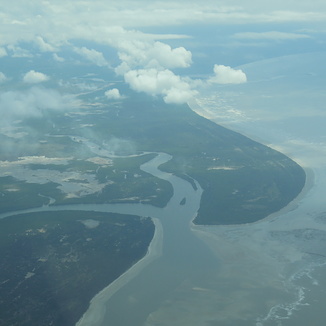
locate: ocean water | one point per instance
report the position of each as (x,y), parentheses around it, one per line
(276,266)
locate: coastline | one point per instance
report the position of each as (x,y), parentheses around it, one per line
(271,253)
(212,234)
(292,205)
(96,310)
(253,259)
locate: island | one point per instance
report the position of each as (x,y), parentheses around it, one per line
(53,263)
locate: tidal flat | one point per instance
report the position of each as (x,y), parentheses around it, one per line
(54,263)
(272,271)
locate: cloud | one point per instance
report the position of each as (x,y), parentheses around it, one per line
(113,94)
(34,77)
(18,52)
(227,75)
(146,68)
(273,35)
(120,146)
(92,55)
(160,82)
(3,52)
(144,54)
(57,58)
(133,14)
(3,77)
(54,23)
(32,103)
(43,46)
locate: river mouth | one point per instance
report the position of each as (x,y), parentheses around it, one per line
(182,256)
(193,274)
(255,274)
(218,275)
(175,256)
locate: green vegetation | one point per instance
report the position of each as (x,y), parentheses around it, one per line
(18,195)
(53,263)
(243,181)
(123,181)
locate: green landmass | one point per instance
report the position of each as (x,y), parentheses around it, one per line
(53,263)
(127,184)
(243,181)
(19,195)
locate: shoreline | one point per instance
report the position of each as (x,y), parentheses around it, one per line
(293,204)
(96,311)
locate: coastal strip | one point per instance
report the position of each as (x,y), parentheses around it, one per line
(210,233)
(96,311)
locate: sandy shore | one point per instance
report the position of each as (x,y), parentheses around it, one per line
(310,179)
(96,311)
(215,235)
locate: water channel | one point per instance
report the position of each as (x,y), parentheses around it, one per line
(180,256)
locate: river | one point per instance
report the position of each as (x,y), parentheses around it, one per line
(268,273)
(176,254)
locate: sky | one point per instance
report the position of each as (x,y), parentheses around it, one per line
(171,49)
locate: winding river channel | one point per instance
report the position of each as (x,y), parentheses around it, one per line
(175,256)
(268,273)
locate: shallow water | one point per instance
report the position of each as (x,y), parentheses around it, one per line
(269,273)
(283,108)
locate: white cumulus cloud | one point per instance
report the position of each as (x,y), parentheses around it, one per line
(113,94)
(34,77)
(44,46)
(58,58)
(3,77)
(227,75)
(160,82)
(3,52)
(142,54)
(92,55)
(18,52)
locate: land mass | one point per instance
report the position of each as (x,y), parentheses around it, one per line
(53,263)
(243,181)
